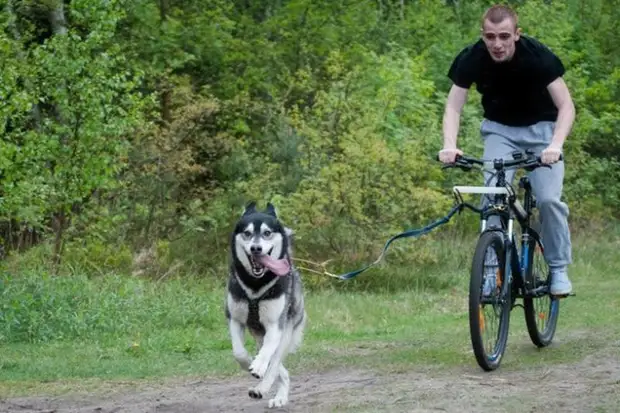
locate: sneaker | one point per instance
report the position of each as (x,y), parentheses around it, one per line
(560,284)
(489,285)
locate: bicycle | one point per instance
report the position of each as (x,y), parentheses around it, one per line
(515,276)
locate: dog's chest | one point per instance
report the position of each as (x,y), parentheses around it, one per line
(256,313)
(255,308)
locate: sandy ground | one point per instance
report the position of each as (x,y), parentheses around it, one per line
(589,385)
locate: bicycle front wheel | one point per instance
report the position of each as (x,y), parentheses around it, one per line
(489,303)
(541,311)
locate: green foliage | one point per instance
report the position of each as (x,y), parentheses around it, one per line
(38,308)
(365,157)
(85,93)
(153,123)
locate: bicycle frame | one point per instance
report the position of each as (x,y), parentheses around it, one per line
(508,208)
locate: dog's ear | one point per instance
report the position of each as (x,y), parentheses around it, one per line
(250,208)
(271,210)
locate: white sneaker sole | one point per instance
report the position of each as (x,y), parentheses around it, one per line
(564,290)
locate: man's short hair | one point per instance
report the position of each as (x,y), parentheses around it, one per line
(496,14)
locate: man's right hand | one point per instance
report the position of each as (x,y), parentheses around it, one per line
(448,155)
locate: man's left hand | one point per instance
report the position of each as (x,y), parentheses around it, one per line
(551,154)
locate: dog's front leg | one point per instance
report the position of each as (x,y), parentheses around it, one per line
(238,310)
(275,370)
(270,345)
(284,384)
(269,312)
(237,339)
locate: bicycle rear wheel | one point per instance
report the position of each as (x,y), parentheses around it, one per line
(541,311)
(489,356)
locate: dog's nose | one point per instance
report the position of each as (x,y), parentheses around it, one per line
(256,249)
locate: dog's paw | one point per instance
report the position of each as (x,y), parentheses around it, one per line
(278,401)
(254,393)
(258,368)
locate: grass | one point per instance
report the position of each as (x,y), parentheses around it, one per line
(76,332)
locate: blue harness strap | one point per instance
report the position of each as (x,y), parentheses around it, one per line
(409,233)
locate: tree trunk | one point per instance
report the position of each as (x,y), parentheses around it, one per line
(57,19)
(165,92)
(58,224)
(12,24)
(59,219)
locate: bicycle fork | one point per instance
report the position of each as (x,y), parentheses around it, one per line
(515,265)
(507,273)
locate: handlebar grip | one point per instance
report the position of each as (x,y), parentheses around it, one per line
(539,159)
(448,165)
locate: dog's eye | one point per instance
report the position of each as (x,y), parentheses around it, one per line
(267,234)
(247,234)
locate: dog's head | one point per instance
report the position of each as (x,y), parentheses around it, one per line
(260,242)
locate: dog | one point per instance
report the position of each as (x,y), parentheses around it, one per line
(265,295)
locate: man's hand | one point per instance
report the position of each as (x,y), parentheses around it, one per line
(551,154)
(448,155)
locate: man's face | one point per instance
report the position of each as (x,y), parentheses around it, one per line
(500,39)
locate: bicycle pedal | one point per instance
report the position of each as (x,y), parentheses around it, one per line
(564,296)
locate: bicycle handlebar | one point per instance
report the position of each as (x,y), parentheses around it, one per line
(527,161)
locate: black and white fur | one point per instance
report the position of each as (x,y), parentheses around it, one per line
(270,306)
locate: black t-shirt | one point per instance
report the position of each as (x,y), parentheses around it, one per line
(513,93)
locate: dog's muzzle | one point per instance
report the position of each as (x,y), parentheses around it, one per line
(258,269)
(262,262)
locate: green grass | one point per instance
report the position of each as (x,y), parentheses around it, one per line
(63,332)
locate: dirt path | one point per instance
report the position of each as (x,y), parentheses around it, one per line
(591,385)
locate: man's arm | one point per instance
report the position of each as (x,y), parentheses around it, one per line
(566,115)
(452,115)
(451,121)
(566,111)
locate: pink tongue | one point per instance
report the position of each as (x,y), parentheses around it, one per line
(278,267)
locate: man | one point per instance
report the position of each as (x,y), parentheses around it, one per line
(526,105)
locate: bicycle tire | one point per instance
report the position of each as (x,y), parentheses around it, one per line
(487,362)
(532,316)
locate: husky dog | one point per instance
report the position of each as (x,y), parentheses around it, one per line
(265,294)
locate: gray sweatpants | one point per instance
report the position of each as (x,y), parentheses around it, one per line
(499,142)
